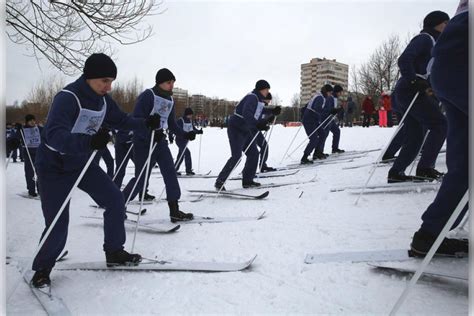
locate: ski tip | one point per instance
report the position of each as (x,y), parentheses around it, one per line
(250,262)
(262,215)
(264,195)
(176,228)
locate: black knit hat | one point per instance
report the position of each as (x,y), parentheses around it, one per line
(163,75)
(268,97)
(29,117)
(261,85)
(337,88)
(99,66)
(326,88)
(435,18)
(188,111)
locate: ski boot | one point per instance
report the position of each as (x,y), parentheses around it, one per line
(219,185)
(41,278)
(190,173)
(176,215)
(266,168)
(395,177)
(122,258)
(305,160)
(178,173)
(429,173)
(250,184)
(149,197)
(32,194)
(338,151)
(422,242)
(318,155)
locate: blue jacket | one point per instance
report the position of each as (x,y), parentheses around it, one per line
(71,150)
(247,108)
(123,136)
(143,108)
(180,122)
(314,113)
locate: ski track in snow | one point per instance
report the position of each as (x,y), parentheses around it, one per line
(279,281)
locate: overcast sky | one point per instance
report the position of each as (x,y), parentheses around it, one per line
(222,48)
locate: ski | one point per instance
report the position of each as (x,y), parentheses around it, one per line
(383,163)
(387,185)
(159,229)
(144,202)
(271,174)
(207,220)
(320,162)
(398,190)
(276,185)
(27,196)
(206,175)
(231,194)
(359,256)
(434,270)
(51,303)
(142,212)
(191,200)
(162,265)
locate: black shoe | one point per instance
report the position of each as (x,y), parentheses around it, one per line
(149,197)
(387,157)
(251,184)
(267,169)
(122,258)
(422,242)
(178,173)
(338,151)
(176,215)
(305,161)
(190,173)
(429,173)
(326,155)
(395,177)
(32,194)
(41,278)
(219,185)
(319,155)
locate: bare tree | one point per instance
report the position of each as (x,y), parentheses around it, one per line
(66,32)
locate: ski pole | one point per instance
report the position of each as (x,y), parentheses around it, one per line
(121,164)
(267,141)
(29,156)
(431,252)
(291,143)
(238,162)
(315,130)
(145,182)
(199,157)
(382,153)
(9,158)
(56,218)
(419,151)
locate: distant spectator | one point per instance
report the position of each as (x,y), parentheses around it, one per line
(382,116)
(387,104)
(368,110)
(350,110)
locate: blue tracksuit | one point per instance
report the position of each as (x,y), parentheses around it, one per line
(329,126)
(425,113)
(241,131)
(108,159)
(33,140)
(61,156)
(123,141)
(449,79)
(312,118)
(186,125)
(141,142)
(10,134)
(263,145)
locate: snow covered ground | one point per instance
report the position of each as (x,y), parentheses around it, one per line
(279,281)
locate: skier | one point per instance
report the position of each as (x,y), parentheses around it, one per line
(312,118)
(32,135)
(449,79)
(186,124)
(123,142)
(243,125)
(425,114)
(368,110)
(331,108)
(72,132)
(262,143)
(12,142)
(158,100)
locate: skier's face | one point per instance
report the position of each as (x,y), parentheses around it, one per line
(167,85)
(264,92)
(101,86)
(440,27)
(31,123)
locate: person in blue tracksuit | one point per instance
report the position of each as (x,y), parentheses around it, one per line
(330,109)
(449,79)
(243,126)
(186,124)
(12,142)
(312,119)
(158,100)
(262,143)
(72,131)
(108,159)
(32,140)
(414,64)
(123,142)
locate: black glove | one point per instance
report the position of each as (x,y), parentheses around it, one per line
(18,126)
(100,139)
(334,111)
(262,125)
(153,121)
(159,135)
(171,137)
(420,85)
(190,135)
(276,110)
(199,131)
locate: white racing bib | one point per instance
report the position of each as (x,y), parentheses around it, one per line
(310,103)
(187,127)
(88,121)
(162,107)
(32,137)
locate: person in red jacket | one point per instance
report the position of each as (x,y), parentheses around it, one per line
(368,110)
(387,104)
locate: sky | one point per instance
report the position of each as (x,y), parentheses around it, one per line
(221,48)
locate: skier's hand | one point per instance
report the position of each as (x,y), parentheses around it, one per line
(420,85)
(159,135)
(171,137)
(100,139)
(262,125)
(190,135)
(199,131)
(153,121)
(276,110)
